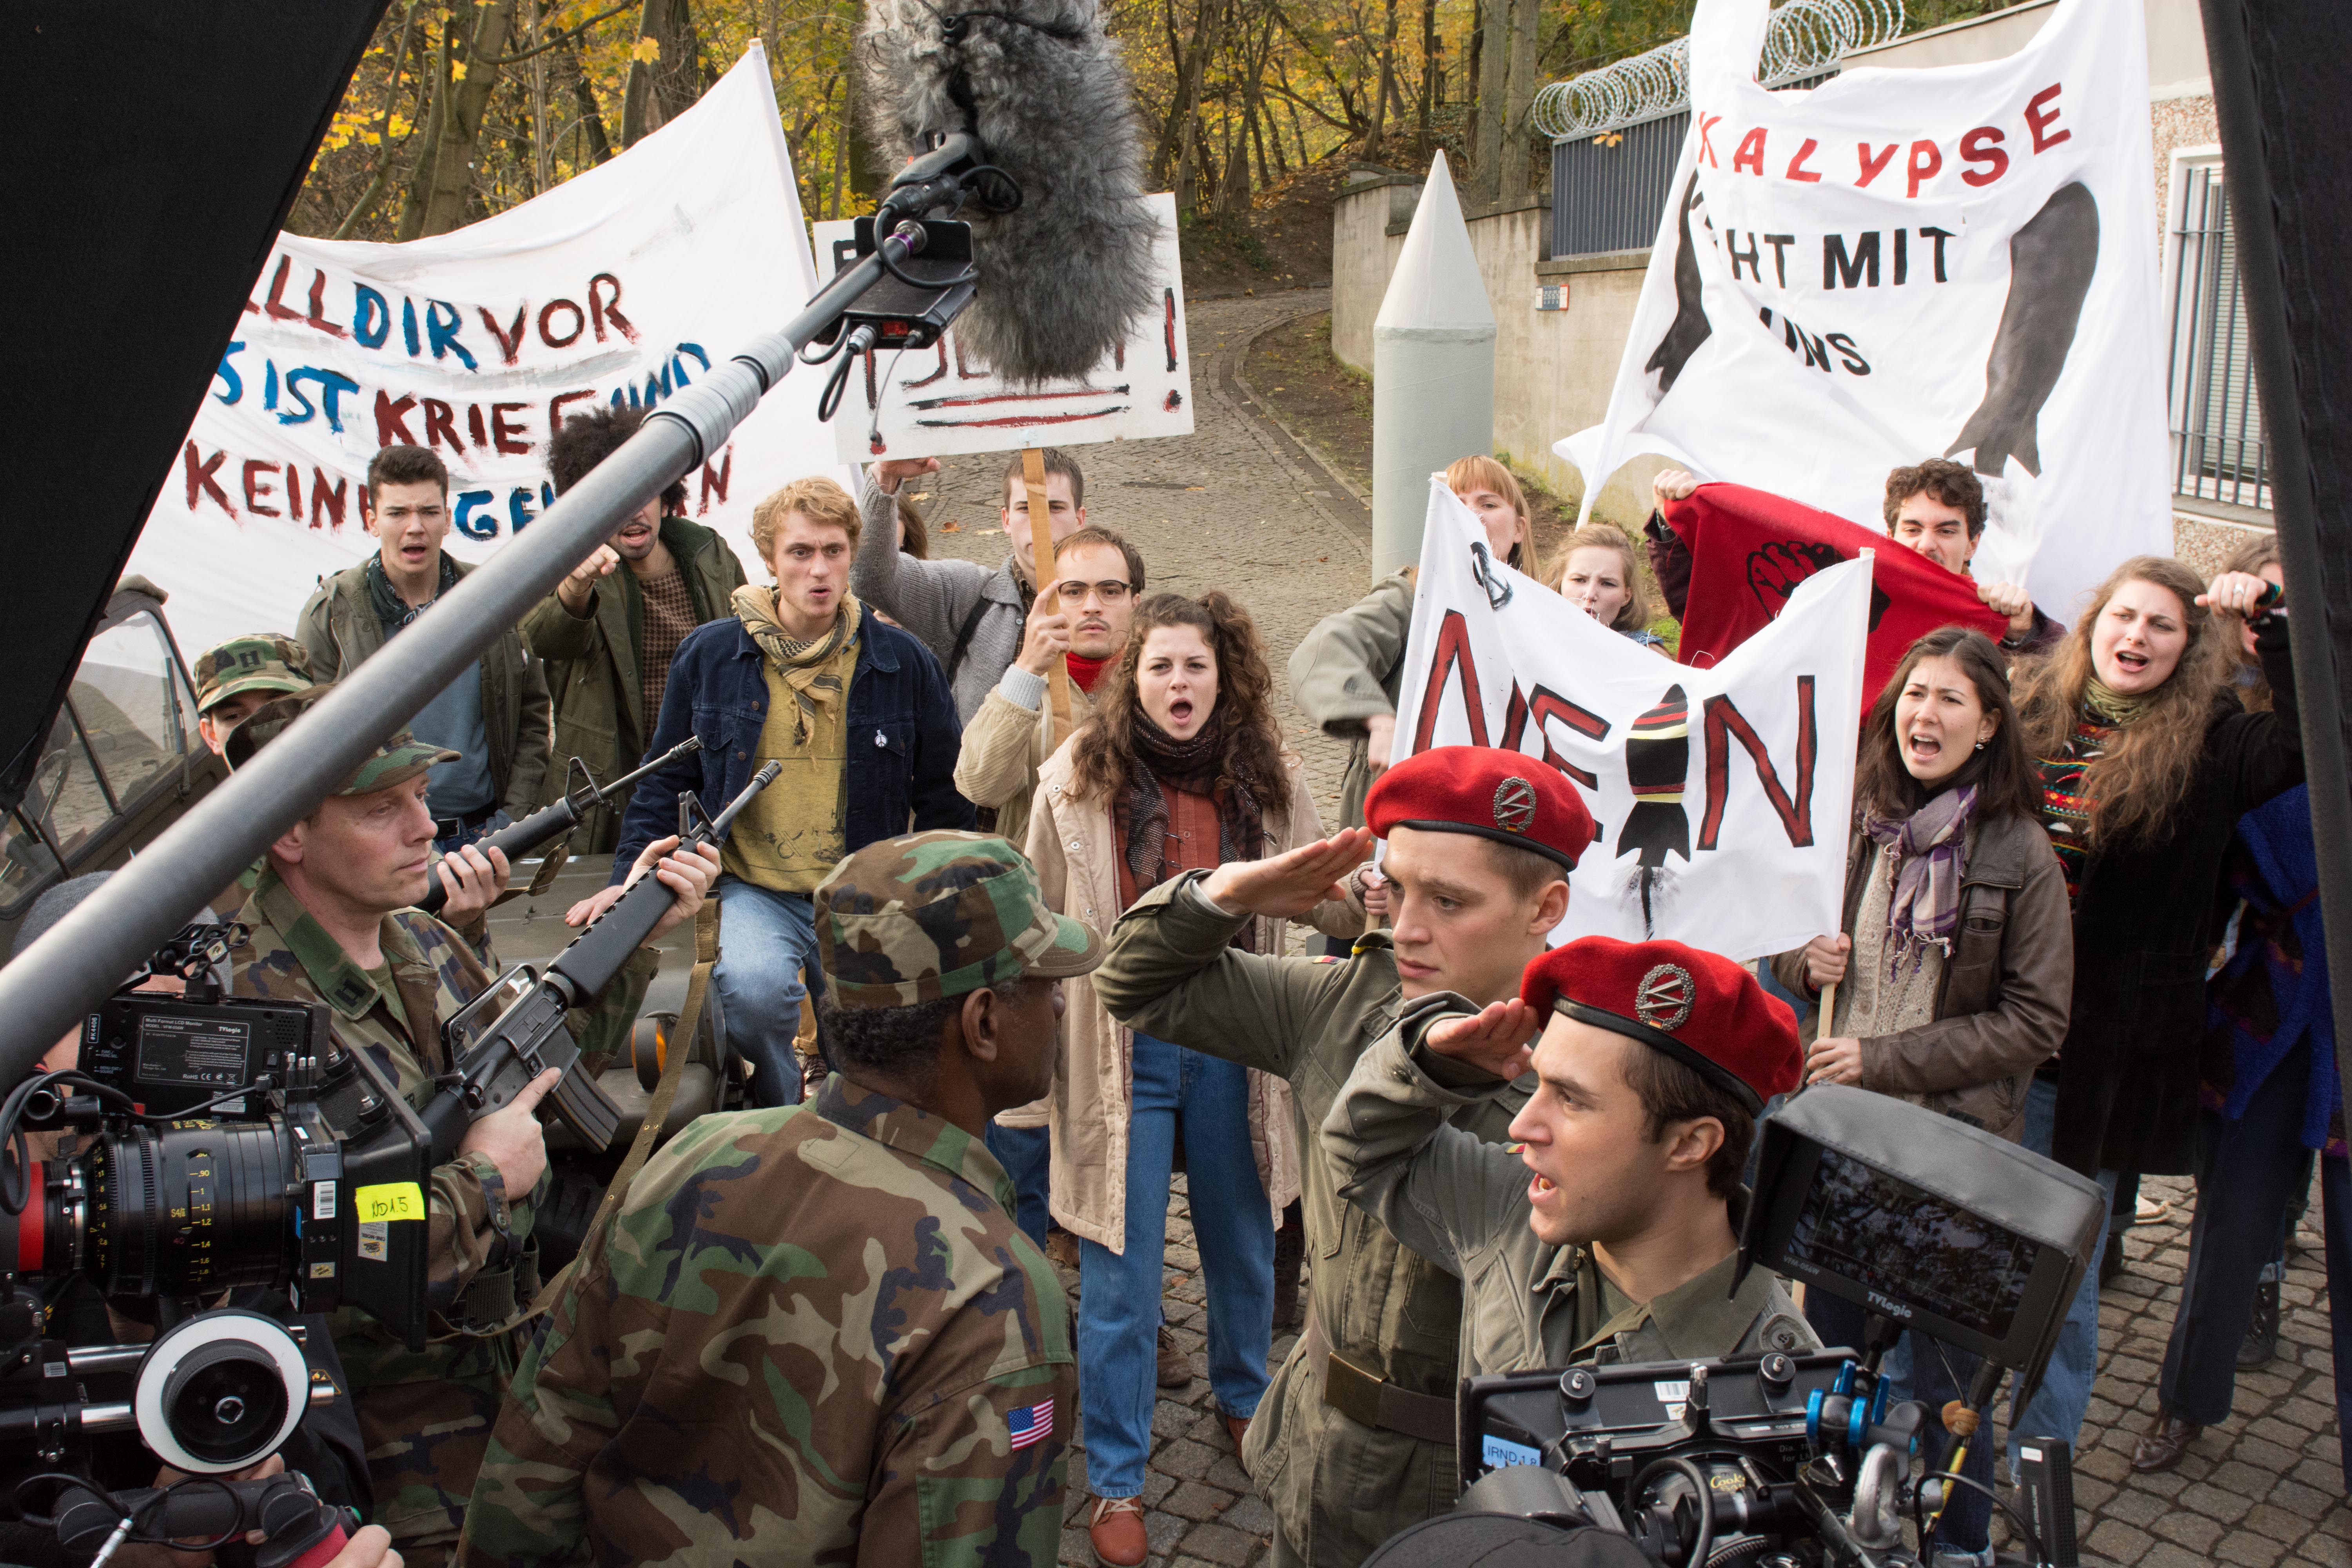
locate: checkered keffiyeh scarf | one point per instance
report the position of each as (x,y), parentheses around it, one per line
(1924,852)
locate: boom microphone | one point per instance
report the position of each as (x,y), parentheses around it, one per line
(1064,277)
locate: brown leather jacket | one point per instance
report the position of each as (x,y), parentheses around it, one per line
(2002,1006)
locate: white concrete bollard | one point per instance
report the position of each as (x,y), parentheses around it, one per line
(1432,371)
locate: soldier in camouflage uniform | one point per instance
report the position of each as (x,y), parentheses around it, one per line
(1354,1441)
(326,921)
(240,674)
(814,1333)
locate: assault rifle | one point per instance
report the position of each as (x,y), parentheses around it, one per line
(513,1032)
(548,823)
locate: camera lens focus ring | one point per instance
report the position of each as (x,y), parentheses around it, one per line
(220,1390)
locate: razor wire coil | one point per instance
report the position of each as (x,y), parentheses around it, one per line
(1804,38)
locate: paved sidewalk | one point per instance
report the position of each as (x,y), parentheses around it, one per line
(1240,506)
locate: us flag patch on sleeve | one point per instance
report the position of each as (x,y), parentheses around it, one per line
(1033,1424)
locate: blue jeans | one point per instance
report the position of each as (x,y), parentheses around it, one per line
(1026,1154)
(764,939)
(1119,1292)
(2056,1409)
(2247,1174)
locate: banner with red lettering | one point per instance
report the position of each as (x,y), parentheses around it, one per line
(1721,793)
(620,286)
(1901,264)
(1749,551)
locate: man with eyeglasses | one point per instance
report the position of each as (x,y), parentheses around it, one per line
(973,620)
(495,715)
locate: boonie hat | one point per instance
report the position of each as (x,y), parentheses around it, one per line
(1508,797)
(1700,1008)
(935,915)
(261,662)
(400,759)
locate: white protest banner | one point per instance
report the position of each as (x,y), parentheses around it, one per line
(622,285)
(941,401)
(1720,796)
(1897,264)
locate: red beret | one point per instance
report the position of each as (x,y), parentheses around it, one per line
(1508,797)
(1700,1008)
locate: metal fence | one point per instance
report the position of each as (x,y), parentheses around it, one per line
(1607,197)
(2219,454)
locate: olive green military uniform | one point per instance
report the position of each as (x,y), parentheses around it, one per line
(1326,1448)
(593,667)
(1527,1304)
(813,1334)
(1348,669)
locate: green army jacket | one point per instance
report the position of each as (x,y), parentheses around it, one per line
(340,628)
(1339,1488)
(1348,669)
(1462,1204)
(594,666)
(810,1334)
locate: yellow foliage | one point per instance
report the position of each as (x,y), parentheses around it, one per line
(648,50)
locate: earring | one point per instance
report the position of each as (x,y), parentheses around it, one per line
(1980,745)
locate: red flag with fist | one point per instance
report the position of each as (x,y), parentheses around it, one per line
(1749,551)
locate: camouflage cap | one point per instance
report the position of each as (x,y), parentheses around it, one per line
(400,759)
(261,662)
(935,915)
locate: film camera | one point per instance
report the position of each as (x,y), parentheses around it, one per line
(1798,1460)
(227,1146)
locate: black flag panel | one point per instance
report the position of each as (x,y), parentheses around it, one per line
(157,151)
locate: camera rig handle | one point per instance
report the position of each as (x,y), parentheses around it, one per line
(493,1064)
(551,823)
(303,1531)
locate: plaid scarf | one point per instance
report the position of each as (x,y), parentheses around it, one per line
(802,664)
(1924,854)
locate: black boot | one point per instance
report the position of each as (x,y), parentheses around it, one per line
(2262,1334)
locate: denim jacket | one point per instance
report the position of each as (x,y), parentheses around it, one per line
(903,737)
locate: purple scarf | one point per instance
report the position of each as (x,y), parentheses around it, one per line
(1924,852)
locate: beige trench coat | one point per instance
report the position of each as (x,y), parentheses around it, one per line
(1071,843)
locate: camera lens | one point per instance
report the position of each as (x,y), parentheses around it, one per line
(191,1208)
(219,1391)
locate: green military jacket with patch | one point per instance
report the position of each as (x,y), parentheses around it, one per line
(424,1415)
(810,1334)
(1462,1204)
(593,668)
(1350,669)
(1339,1488)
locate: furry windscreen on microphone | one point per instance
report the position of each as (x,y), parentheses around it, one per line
(1063,279)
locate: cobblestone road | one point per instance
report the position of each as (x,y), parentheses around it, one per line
(1240,506)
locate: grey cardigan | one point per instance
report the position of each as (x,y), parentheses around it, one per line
(932,599)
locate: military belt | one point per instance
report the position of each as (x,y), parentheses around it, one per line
(1368,1401)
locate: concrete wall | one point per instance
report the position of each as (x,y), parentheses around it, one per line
(1553,367)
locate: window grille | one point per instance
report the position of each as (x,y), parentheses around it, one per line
(2219,454)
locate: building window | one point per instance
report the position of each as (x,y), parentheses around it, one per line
(2218,453)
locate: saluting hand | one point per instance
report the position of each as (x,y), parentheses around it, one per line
(1292,883)
(1498,1039)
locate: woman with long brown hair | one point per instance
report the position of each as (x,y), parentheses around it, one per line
(1956,956)
(1182,768)
(2147,760)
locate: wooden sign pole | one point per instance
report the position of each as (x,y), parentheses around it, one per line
(1042,551)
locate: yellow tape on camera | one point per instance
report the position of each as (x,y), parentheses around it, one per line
(390,1201)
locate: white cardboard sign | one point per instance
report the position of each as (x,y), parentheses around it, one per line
(940,402)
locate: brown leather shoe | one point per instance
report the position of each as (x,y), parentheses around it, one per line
(1237,1428)
(1115,1529)
(1175,1366)
(2166,1441)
